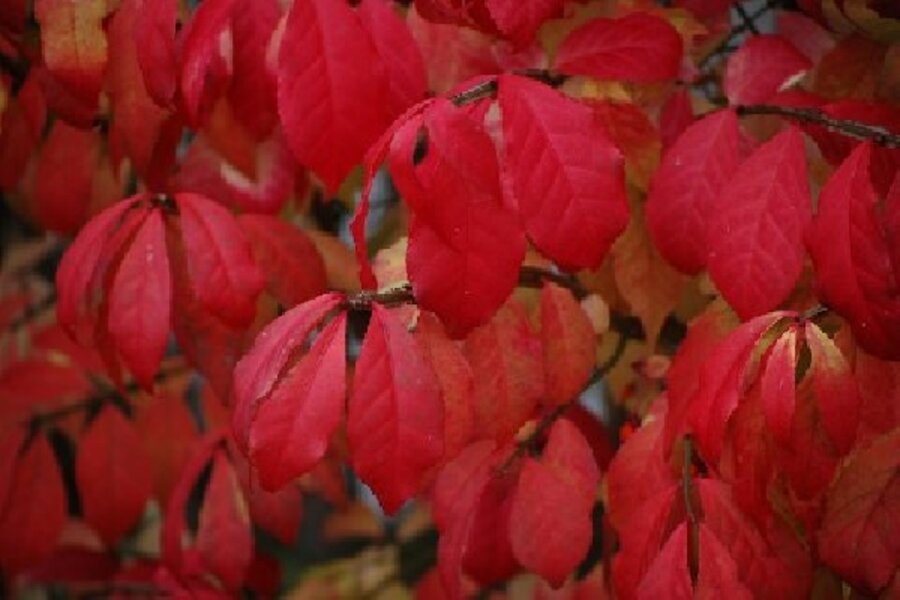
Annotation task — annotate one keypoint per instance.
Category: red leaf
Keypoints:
(851, 259)
(777, 385)
(572, 202)
(292, 427)
(638, 47)
(205, 65)
(489, 557)
(519, 21)
(154, 36)
(723, 380)
(638, 471)
(224, 537)
(252, 92)
(569, 345)
(718, 571)
(395, 421)
(505, 356)
(756, 228)
(834, 387)
(676, 116)
(74, 44)
(167, 431)
(461, 268)
(223, 275)
(65, 173)
(683, 376)
(331, 88)
(761, 67)
(372, 162)
(76, 271)
(642, 537)
(113, 476)
(879, 391)
(278, 513)
(690, 179)
(668, 574)
(140, 129)
(256, 373)
(771, 562)
(140, 301)
(11, 440)
(293, 266)
(457, 492)
(35, 510)
(547, 540)
(206, 172)
(398, 52)
(454, 376)
(859, 537)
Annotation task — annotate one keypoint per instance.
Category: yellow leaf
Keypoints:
(650, 286)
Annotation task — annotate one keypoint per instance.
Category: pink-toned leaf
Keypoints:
(224, 538)
(851, 260)
(638, 47)
(113, 476)
(395, 421)
(220, 262)
(505, 356)
(292, 265)
(723, 380)
(292, 427)
(549, 541)
(859, 537)
(34, 514)
(690, 179)
(805, 34)
(256, 373)
(761, 67)
(332, 88)
(777, 385)
(278, 513)
(572, 202)
(461, 268)
(569, 345)
(140, 301)
(756, 228)
(668, 575)
(398, 52)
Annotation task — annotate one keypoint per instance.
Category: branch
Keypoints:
(854, 129)
(724, 47)
(488, 88)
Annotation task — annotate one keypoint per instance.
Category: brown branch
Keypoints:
(854, 129)
(814, 313)
(488, 88)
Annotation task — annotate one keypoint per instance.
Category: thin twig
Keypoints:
(854, 129)
(747, 20)
(488, 87)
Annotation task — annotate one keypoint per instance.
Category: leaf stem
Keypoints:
(854, 129)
